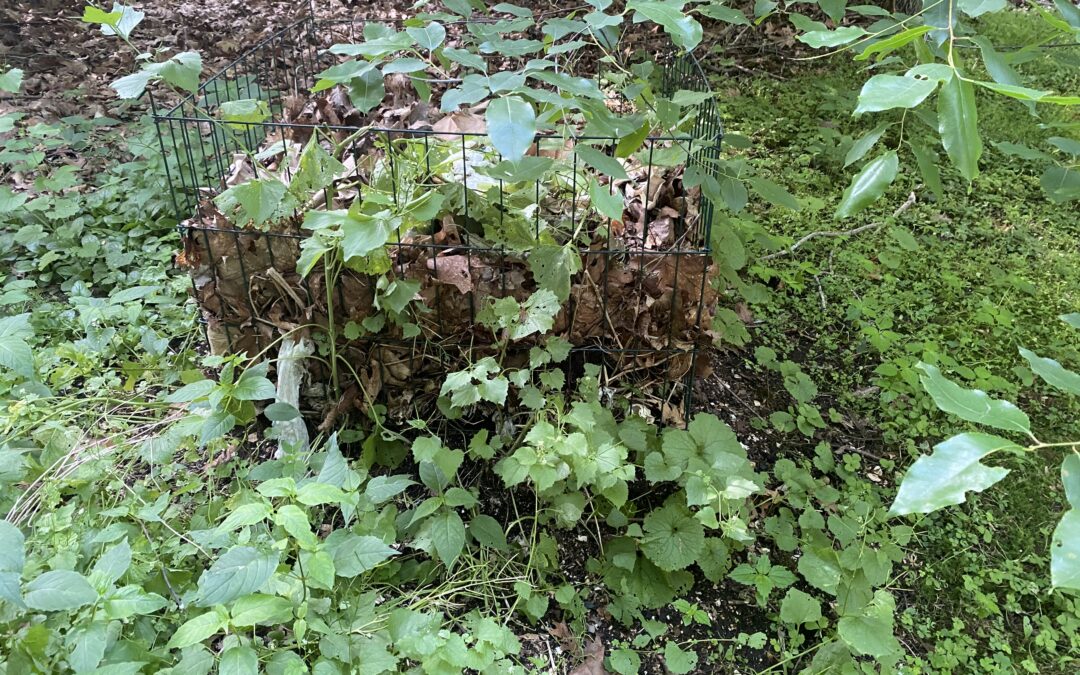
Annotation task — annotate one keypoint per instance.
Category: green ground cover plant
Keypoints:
(150, 525)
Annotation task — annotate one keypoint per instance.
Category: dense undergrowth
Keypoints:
(964, 282)
(152, 546)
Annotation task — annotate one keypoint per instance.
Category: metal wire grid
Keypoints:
(285, 64)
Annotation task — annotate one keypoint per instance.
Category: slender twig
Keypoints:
(846, 233)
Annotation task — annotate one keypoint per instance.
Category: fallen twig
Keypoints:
(862, 228)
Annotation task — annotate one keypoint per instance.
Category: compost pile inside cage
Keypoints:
(462, 225)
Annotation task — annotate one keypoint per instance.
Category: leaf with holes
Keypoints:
(946, 476)
(885, 92)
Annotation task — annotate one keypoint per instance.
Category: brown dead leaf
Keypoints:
(450, 128)
(454, 270)
(594, 660)
(561, 632)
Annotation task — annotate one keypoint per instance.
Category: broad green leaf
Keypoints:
(972, 405)
(343, 73)
(253, 387)
(1070, 479)
(388, 43)
(316, 494)
(404, 66)
(448, 535)
(526, 169)
(1015, 91)
(928, 167)
(15, 351)
(488, 532)
(538, 315)
(88, 646)
(129, 18)
(1065, 550)
(129, 601)
(1068, 145)
(1070, 12)
(1061, 183)
(946, 476)
(678, 660)
(182, 70)
(870, 633)
(244, 515)
(609, 204)
(253, 202)
(798, 607)
(773, 193)
(244, 112)
(974, 8)
(198, 629)
(381, 488)
(9, 200)
(465, 57)
(885, 92)
(863, 145)
(280, 411)
(605, 164)
(367, 90)
(890, 44)
(511, 124)
(359, 553)
(554, 266)
(97, 15)
(239, 660)
(260, 610)
(869, 184)
(9, 588)
(1071, 319)
(59, 590)
(216, 425)
(673, 538)
(1052, 372)
(11, 80)
(294, 520)
(683, 30)
(241, 570)
(958, 125)
(429, 37)
(12, 548)
(112, 564)
(1025, 152)
(727, 15)
(191, 392)
(133, 85)
(831, 38)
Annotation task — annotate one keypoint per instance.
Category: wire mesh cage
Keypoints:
(460, 233)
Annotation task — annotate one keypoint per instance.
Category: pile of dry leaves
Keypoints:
(640, 285)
